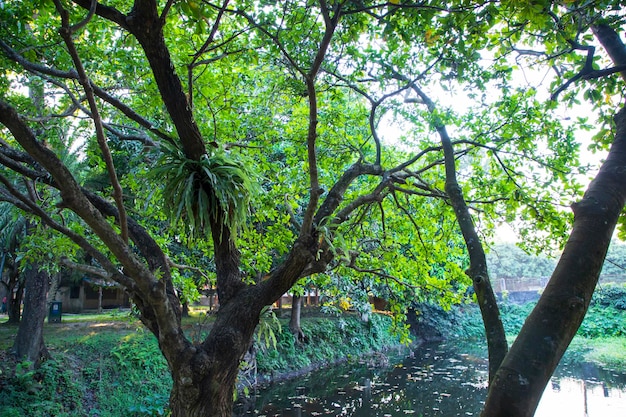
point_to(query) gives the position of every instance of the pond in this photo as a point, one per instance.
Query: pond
(433, 380)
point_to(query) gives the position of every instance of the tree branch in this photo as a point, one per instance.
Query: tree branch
(66, 34)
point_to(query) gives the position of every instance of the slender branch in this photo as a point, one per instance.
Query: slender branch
(381, 273)
(66, 34)
(315, 190)
(173, 264)
(92, 10)
(204, 47)
(165, 11)
(29, 206)
(42, 71)
(377, 195)
(88, 269)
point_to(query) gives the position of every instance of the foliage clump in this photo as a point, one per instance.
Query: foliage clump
(329, 340)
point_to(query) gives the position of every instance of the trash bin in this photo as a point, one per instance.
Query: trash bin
(54, 315)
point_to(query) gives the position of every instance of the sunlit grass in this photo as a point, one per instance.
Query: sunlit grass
(606, 352)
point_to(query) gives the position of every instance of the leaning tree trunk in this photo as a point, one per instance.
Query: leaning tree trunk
(554, 321)
(546, 334)
(496, 338)
(29, 344)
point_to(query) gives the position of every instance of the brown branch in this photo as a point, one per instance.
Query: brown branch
(42, 71)
(92, 10)
(612, 44)
(66, 34)
(315, 191)
(26, 204)
(165, 11)
(173, 264)
(88, 269)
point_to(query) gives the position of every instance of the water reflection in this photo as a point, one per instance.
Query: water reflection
(432, 381)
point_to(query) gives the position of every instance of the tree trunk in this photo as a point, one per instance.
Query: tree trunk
(14, 297)
(29, 344)
(546, 334)
(496, 338)
(294, 321)
(204, 375)
(99, 299)
(554, 321)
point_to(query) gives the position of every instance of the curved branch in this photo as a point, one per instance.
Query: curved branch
(66, 34)
(92, 10)
(42, 71)
(496, 338)
(315, 190)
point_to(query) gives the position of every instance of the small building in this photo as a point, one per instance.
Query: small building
(91, 294)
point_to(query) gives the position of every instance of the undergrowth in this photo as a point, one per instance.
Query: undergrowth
(101, 374)
(113, 373)
(327, 340)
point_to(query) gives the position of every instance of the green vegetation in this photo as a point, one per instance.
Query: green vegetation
(328, 340)
(173, 146)
(601, 339)
(103, 368)
(108, 365)
(113, 368)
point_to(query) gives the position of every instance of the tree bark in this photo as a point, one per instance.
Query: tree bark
(204, 375)
(294, 321)
(29, 344)
(548, 331)
(496, 338)
(554, 321)
(14, 297)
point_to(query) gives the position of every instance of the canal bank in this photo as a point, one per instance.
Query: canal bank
(434, 379)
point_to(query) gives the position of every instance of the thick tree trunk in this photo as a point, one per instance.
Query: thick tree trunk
(204, 376)
(546, 334)
(29, 344)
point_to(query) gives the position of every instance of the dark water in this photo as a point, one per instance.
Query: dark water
(434, 380)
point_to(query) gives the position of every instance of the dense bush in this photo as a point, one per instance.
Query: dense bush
(607, 313)
(50, 390)
(606, 317)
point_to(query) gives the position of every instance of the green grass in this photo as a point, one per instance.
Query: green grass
(606, 352)
(108, 365)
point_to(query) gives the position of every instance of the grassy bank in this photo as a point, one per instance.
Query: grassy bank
(601, 339)
(110, 366)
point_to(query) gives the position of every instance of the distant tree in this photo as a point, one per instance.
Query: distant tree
(507, 260)
(29, 343)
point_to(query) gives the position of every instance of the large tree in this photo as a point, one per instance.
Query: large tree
(206, 190)
(288, 96)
